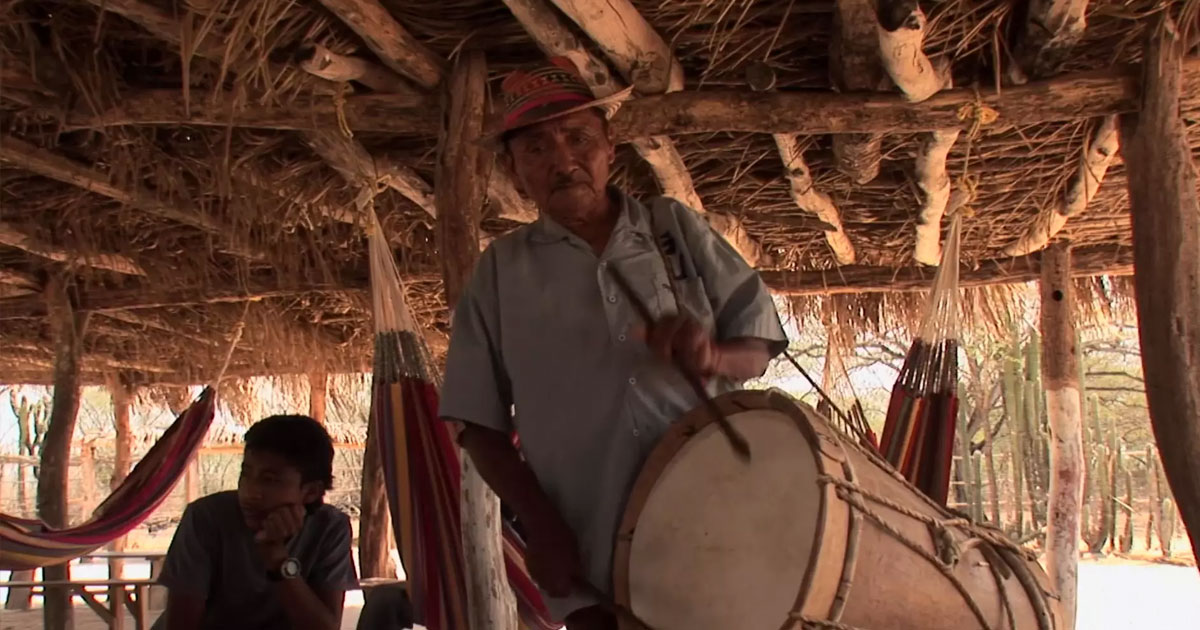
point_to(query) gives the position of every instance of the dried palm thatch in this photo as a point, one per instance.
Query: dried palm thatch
(177, 136)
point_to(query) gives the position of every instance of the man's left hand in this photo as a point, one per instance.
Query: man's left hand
(684, 340)
(280, 526)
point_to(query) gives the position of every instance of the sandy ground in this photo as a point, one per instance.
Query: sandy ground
(1114, 594)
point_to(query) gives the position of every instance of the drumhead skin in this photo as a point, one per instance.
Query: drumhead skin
(720, 543)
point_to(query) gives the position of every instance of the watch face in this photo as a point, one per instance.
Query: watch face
(290, 568)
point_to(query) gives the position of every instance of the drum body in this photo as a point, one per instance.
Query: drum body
(814, 529)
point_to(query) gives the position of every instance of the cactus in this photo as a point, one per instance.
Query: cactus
(1127, 534)
(1014, 407)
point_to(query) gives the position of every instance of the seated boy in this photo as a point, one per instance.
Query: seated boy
(270, 555)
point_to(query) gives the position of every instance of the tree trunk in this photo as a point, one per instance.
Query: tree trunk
(1165, 207)
(374, 536)
(1060, 374)
(121, 393)
(66, 330)
(462, 169)
(87, 479)
(26, 412)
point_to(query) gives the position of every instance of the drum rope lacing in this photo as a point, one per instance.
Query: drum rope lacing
(1005, 556)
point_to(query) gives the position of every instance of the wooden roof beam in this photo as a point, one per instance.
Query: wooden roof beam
(318, 60)
(1097, 156)
(1049, 33)
(20, 280)
(629, 41)
(13, 236)
(933, 180)
(406, 115)
(1067, 97)
(855, 67)
(352, 159)
(255, 289)
(800, 181)
(402, 52)
(57, 167)
(1113, 260)
(389, 40)
(901, 31)
(810, 199)
(643, 59)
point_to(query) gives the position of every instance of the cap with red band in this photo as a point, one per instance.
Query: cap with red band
(549, 91)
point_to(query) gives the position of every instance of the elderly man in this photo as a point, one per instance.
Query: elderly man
(546, 345)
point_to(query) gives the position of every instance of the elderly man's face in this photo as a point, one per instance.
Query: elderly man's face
(563, 164)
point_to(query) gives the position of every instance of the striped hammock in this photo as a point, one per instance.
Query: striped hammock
(421, 465)
(29, 544)
(918, 435)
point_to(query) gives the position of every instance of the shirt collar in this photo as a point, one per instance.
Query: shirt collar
(634, 219)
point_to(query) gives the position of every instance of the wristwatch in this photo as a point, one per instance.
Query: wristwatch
(289, 569)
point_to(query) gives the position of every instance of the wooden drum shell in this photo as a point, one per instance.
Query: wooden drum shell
(858, 574)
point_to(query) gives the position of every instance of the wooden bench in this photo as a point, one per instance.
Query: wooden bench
(134, 595)
(131, 594)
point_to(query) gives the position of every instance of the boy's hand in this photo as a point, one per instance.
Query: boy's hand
(279, 526)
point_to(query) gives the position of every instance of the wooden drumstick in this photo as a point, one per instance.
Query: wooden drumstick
(736, 439)
(608, 604)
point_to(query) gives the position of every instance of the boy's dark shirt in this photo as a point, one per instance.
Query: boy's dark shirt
(213, 557)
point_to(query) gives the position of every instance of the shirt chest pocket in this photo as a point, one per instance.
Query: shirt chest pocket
(693, 298)
(648, 277)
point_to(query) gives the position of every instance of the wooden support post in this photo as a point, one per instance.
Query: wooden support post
(66, 330)
(1166, 255)
(121, 393)
(1060, 374)
(318, 388)
(462, 173)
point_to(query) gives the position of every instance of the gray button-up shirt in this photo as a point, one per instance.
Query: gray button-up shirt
(543, 342)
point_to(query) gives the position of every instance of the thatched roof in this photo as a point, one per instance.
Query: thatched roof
(174, 157)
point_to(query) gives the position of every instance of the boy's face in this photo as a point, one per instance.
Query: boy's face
(268, 482)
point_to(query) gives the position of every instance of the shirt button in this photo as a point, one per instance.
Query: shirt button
(636, 433)
(632, 381)
(621, 337)
(612, 298)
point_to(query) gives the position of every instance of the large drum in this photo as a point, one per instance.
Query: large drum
(814, 532)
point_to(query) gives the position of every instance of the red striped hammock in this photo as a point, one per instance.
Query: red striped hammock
(421, 466)
(29, 544)
(918, 435)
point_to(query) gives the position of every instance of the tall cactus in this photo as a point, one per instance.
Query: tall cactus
(1098, 537)
(1014, 408)
(1038, 449)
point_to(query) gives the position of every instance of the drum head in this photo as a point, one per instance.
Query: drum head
(720, 543)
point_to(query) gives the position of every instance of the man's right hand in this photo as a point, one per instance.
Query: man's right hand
(552, 555)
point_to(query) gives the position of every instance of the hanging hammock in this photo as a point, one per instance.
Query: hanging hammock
(29, 544)
(918, 435)
(421, 466)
